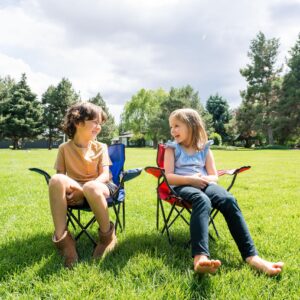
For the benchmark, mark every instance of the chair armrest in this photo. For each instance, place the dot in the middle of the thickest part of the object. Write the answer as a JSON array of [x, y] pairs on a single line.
[[130, 174], [41, 172], [159, 173], [155, 171], [233, 171]]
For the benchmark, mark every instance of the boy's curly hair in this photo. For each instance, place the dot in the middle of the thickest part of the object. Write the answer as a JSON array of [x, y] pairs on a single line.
[[80, 112]]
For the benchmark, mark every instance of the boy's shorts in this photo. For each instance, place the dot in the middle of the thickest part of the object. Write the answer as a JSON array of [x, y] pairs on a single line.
[[112, 188]]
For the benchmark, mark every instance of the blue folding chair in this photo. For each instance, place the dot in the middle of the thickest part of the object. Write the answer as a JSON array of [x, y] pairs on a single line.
[[117, 201]]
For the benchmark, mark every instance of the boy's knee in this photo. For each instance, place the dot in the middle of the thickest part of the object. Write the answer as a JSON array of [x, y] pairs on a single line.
[[56, 179], [92, 187]]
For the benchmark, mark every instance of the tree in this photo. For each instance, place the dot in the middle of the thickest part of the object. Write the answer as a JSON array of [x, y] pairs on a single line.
[[219, 109], [245, 118], [288, 110], [21, 113], [141, 113], [109, 127], [184, 97], [6, 85], [262, 77], [56, 101]]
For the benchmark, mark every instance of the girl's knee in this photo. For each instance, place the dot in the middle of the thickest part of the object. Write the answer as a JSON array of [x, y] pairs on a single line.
[[201, 200], [229, 202]]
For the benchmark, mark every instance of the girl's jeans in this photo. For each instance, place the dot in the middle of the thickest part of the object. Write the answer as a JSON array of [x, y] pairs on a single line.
[[202, 202]]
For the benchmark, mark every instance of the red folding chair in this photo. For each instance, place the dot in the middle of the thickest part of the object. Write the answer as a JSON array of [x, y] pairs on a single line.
[[179, 205]]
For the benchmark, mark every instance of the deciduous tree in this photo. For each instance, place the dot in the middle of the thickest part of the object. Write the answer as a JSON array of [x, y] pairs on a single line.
[[109, 127]]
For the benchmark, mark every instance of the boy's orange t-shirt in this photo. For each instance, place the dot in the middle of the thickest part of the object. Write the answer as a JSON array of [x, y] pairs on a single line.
[[82, 164]]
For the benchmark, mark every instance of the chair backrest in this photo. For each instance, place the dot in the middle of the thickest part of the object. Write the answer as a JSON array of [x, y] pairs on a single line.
[[117, 156], [160, 155]]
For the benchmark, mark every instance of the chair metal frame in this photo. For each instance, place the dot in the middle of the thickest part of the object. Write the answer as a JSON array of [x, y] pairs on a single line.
[[178, 205], [116, 201]]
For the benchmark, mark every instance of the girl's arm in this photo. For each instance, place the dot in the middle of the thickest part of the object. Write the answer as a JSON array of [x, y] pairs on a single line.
[[210, 168], [174, 179]]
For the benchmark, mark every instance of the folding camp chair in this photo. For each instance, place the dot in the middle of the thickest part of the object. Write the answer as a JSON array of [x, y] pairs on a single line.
[[179, 205], [117, 201]]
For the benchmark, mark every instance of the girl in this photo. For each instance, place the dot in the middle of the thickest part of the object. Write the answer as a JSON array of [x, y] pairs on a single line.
[[82, 167], [190, 169]]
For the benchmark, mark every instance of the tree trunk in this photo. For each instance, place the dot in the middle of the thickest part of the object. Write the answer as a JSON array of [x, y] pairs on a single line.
[[270, 135], [15, 143], [50, 142]]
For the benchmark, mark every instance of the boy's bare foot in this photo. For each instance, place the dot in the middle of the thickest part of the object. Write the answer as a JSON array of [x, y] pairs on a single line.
[[204, 265], [269, 268]]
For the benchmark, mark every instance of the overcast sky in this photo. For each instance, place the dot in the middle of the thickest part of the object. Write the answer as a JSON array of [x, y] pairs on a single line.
[[117, 47]]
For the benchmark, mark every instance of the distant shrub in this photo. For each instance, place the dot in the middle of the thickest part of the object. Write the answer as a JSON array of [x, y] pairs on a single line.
[[216, 138], [274, 147]]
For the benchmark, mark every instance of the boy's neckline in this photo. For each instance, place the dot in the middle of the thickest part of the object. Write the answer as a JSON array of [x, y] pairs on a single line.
[[80, 146]]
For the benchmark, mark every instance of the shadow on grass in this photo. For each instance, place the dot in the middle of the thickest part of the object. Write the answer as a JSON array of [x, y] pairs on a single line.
[[19, 254], [176, 257]]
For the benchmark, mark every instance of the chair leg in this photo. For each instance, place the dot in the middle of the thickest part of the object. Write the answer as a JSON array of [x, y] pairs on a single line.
[[165, 221], [213, 214], [123, 207], [71, 215], [157, 214], [69, 219], [118, 222]]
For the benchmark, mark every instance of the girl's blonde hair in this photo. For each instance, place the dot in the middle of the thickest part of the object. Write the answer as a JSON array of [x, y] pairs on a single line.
[[192, 119], [80, 112]]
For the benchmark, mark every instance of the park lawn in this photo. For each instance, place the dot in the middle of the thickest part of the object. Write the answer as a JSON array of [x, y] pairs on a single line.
[[144, 265]]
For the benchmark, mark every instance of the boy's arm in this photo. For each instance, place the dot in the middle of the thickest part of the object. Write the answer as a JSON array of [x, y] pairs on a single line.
[[104, 166]]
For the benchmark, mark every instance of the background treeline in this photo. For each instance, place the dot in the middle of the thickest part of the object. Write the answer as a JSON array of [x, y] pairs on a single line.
[[24, 117], [269, 113]]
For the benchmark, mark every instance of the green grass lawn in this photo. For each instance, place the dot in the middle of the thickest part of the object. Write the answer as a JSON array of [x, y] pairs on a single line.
[[144, 265]]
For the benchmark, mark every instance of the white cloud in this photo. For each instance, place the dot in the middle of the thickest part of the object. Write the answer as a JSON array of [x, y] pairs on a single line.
[[118, 47]]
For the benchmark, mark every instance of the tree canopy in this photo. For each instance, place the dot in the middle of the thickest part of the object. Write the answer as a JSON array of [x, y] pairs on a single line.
[[56, 101], [21, 113], [109, 127], [288, 117], [262, 91], [219, 110]]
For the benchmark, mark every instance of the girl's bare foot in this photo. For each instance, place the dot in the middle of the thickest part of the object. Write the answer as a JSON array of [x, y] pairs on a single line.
[[269, 268], [204, 265]]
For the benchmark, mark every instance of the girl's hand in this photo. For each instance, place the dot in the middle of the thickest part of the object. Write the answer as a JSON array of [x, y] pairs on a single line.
[[198, 181], [74, 195]]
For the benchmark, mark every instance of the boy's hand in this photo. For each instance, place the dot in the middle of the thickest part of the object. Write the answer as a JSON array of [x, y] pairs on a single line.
[[74, 195]]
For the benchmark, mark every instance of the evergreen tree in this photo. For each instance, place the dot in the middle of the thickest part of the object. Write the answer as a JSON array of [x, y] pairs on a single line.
[[6, 85], [219, 110], [56, 101], [109, 127], [262, 91], [21, 114], [288, 110]]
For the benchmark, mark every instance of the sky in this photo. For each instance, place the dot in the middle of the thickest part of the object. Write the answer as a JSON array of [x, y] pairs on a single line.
[[117, 47]]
